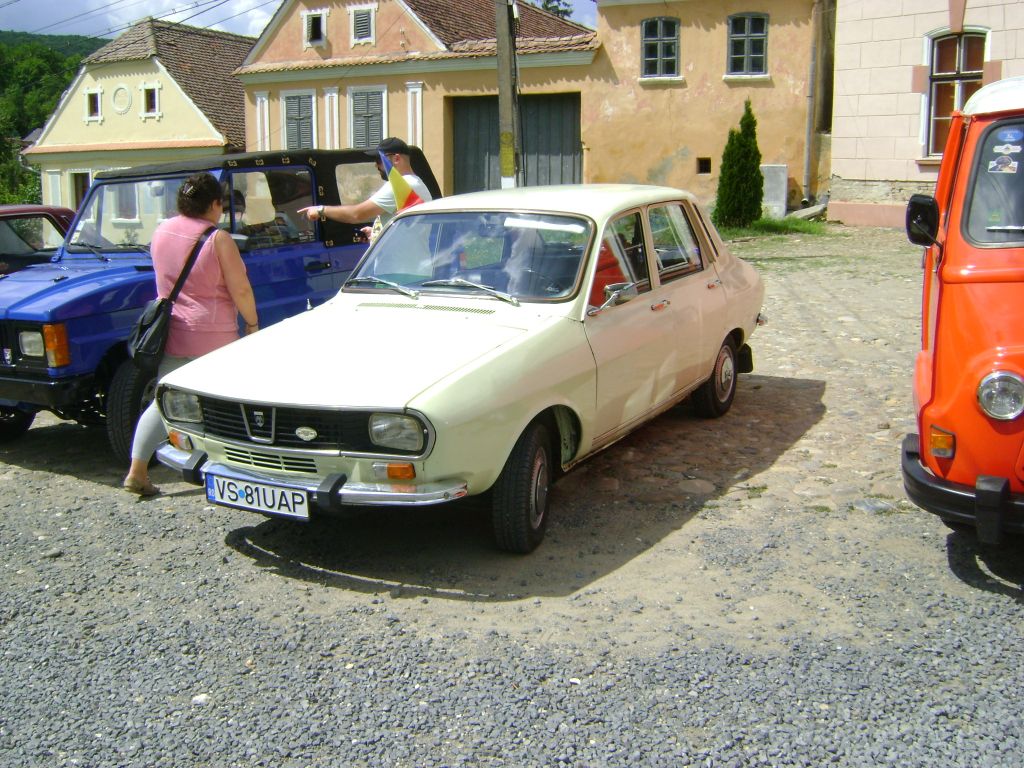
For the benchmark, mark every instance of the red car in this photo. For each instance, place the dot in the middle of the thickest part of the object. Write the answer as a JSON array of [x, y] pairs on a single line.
[[29, 234]]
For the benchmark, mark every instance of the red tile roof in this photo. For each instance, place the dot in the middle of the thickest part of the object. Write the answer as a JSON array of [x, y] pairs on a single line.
[[473, 20]]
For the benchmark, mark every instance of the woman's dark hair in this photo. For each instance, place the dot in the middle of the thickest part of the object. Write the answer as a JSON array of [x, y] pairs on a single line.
[[197, 193]]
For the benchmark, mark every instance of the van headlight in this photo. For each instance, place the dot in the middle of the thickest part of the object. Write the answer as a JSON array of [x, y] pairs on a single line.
[[1001, 395], [398, 431], [180, 406], [31, 343]]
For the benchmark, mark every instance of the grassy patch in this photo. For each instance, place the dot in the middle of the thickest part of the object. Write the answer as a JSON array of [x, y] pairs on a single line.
[[763, 227]]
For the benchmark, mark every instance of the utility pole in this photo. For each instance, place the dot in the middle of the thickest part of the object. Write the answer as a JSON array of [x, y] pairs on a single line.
[[508, 92]]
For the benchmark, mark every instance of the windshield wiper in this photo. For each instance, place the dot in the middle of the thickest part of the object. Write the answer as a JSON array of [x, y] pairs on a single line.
[[461, 282], [93, 249], [381, 281], [1006, 228]]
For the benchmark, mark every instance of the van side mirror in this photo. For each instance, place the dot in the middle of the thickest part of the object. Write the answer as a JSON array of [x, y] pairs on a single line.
[[922, 220]]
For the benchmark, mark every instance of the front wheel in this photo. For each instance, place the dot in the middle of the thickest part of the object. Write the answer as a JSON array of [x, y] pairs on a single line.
[[715, 396], [14, 423], [131, 391], [519, 499]]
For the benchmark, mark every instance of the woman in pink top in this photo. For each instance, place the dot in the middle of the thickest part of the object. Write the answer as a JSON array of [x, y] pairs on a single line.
[[205, 315]]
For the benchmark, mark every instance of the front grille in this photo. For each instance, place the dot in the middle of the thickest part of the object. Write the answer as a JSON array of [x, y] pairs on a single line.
[[260, 460], [345, 431], [7, 339]]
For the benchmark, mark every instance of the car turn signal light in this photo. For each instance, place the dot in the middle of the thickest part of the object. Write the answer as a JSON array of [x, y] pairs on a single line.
[[394, 470], [942, 444], [55, 342], [179, 440]]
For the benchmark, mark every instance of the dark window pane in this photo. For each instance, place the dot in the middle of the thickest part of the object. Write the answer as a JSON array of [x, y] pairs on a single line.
[[973, 53], [650, 28], [967, 89], [757, 47], [756, 65], [945, 56], [737, 25], [757, 25]]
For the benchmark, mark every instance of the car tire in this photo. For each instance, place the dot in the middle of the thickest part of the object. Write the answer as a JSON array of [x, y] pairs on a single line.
[[519, 499], [14, 423], [714, 397], [131, 391]]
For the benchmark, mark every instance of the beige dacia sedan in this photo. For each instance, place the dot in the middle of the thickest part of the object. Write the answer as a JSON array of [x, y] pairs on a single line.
[[485, 344]]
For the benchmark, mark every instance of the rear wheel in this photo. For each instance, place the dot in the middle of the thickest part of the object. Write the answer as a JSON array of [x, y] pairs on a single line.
[[715, 396], [131, 391], [14, 423], [519, 499]]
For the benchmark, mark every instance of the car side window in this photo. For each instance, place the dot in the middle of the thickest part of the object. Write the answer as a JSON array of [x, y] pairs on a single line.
[[264, 205], [627, 235], [676, 248]]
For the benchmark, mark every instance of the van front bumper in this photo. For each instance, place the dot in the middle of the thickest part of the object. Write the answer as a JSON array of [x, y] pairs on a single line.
[[327, 494], [988, 505]]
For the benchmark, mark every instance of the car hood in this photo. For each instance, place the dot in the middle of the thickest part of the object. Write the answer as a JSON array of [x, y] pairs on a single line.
[[28, 294], [357, 351]]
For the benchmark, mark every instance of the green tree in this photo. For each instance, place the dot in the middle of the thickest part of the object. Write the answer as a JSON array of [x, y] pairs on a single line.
[[740, 182], [561, 8]]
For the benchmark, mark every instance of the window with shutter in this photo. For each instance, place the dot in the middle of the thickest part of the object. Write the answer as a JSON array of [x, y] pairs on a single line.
[[314, 26], [362, 20], [367, 118], [298, 121]]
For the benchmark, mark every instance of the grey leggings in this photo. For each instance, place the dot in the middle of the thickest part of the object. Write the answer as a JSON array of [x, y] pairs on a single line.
[[150, 432]]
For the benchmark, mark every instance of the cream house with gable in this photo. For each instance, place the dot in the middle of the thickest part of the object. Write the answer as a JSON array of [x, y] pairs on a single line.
[[330, 74], [158, 92]]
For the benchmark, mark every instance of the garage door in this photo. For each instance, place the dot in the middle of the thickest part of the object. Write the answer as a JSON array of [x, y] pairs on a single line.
[[550, 137]]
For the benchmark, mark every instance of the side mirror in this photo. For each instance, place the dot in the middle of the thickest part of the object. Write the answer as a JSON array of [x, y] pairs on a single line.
[[615, 294], [922, 220]]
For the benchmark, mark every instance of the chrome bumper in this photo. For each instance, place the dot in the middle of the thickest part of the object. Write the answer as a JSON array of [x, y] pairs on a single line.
[[326, 493]]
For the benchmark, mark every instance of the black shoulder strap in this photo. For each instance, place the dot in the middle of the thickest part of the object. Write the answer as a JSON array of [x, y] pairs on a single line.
[[188, 264]]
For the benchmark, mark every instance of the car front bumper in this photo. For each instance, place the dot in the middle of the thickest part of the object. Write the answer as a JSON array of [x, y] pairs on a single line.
[[47, 393], [327, 494], [988, 505]]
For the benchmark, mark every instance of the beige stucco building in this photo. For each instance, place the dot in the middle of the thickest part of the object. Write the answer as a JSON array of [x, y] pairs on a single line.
[[671, 127], [158, 92], [901, 67]]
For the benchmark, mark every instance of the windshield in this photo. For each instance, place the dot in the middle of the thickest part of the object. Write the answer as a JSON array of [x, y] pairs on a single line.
[[123, 215], [28, 234], [996, 199], [509, 255]]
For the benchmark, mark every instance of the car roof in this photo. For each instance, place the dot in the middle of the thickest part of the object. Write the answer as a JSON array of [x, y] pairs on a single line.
[[1000, 96], [597, 201], [32, 209]]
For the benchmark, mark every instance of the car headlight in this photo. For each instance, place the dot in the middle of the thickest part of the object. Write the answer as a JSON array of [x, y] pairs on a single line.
[[396, 430], [1001, 395], [31, 343], [180, 406]]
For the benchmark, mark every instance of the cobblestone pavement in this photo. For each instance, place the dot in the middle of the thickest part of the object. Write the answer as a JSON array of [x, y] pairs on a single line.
[[693, 576]]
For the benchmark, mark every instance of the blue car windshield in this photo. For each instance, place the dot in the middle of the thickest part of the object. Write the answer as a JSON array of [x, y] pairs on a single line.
[[520, 255], [122, 216]]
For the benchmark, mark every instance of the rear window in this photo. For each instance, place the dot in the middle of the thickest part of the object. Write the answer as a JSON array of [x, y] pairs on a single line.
[[995, 202]]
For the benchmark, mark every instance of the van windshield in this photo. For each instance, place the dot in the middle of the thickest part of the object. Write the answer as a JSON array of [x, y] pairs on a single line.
[[122, 216], [995, 205]]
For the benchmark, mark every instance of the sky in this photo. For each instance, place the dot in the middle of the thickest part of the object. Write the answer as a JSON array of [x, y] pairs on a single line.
[[108, 18]]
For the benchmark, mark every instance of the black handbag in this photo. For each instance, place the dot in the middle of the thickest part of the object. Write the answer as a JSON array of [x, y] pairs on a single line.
[[149, 335]]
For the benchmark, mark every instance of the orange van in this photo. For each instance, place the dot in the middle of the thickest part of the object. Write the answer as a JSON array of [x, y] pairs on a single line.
[[966, 462]]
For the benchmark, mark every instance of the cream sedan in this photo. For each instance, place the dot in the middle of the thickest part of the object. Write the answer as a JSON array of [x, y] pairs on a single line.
[[485, 344]]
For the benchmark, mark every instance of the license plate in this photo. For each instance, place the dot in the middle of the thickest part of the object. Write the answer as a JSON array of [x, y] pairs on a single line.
[[258, 497]]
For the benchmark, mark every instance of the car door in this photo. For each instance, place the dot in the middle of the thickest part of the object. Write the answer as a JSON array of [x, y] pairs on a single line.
[[632, 342], [687, 273]]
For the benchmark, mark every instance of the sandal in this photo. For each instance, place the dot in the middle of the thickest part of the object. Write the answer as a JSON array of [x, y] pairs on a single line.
[[140, 488]]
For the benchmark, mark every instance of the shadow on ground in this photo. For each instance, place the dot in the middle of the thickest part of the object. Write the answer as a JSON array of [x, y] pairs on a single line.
[[603, 514]]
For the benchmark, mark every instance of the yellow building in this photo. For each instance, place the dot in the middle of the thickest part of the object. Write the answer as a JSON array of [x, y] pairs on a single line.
[[158, 92]]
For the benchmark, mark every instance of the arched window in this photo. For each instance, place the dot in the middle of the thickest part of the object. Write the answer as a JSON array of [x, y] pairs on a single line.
[[955, 74]]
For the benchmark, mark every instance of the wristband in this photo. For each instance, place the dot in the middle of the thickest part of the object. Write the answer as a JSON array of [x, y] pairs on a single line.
[[320, 212]]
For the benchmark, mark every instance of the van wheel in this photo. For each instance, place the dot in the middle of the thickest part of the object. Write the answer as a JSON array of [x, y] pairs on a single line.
[[519, 499], [131, 391], [14, 423], [714, 397]]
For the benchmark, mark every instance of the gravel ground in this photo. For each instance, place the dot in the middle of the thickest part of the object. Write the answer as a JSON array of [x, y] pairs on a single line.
[[750, 591]]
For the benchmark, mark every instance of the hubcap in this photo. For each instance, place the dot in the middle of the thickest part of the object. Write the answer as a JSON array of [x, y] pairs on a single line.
[[539, 497], [726, 372]]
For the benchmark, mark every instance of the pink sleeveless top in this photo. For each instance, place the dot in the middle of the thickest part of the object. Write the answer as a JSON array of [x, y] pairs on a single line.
[[204, 316]]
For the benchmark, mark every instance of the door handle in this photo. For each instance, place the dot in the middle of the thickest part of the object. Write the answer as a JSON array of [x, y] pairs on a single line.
[[318, 266], [660, 305]]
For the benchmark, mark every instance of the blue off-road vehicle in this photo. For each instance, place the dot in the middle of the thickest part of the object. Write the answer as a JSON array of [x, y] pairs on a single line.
[[63, 324]]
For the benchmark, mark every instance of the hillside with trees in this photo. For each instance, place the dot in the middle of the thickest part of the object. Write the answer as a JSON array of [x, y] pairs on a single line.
[[34, 71]]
